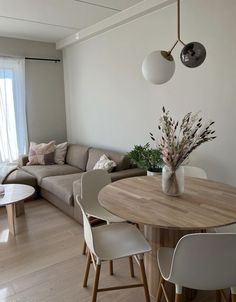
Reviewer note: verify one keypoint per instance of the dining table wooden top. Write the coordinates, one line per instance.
(204, 203)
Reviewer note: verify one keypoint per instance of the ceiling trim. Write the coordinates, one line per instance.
(98, 5)
(141, 9)
(38, 22)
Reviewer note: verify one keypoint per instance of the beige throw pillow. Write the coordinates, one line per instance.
(105, 163)
(60, 153)
(41, 154)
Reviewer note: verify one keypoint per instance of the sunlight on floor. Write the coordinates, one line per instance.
(4, 292)
(4, 235)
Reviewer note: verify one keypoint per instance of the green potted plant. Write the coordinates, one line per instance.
(147, 158)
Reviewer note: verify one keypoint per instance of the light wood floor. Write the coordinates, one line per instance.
(44, 262)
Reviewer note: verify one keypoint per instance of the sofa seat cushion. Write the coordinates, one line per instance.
(21, 177)
(61, 186)
(121, 160)
(50, 170)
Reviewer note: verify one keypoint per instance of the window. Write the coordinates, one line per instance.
(13, 127)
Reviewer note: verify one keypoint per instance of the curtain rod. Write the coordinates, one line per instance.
(42, 59)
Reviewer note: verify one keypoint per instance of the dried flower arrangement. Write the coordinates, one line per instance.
(180, 139)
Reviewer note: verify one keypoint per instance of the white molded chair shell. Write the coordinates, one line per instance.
(194, 172)
(113, 241)
(91, 184)
(201, 261)
(226, 229)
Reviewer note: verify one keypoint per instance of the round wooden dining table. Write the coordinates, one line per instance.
(205, 204)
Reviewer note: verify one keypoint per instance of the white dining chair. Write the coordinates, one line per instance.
(110, 242)
(194, 172)
(199, 261)
(226, 229)
(91, 184)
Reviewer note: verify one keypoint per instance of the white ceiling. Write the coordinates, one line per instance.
(53, 20)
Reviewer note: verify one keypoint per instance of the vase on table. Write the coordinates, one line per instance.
(173, 181)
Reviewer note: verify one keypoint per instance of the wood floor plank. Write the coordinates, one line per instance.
(43, 263)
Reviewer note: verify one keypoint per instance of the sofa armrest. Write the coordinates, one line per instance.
(127, 173)
(23, 160)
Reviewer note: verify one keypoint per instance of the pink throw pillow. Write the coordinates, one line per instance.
(41, 154)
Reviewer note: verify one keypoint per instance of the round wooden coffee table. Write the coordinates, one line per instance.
(14, 196)
(204, 204)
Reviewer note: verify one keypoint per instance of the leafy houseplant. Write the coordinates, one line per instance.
(146, 158)
(177, 142)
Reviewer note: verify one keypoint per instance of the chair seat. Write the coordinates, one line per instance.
(164, 258)
(98, 211)
(118, 240)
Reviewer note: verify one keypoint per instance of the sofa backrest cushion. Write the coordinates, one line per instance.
(77, 156)
(120, 159)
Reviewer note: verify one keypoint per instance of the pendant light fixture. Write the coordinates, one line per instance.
(159, 66)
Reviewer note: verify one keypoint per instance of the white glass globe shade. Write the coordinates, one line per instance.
(158, 67)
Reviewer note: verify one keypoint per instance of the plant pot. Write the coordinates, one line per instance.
(154, 173)
(173, 181)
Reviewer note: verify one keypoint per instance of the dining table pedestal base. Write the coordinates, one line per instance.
(162, 238)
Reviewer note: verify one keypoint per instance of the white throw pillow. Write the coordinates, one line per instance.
(105, 163)
(60, 153)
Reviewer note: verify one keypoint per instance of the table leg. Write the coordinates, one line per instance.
(11, 217)
(20, 209)
(158, 238)
(153, 276)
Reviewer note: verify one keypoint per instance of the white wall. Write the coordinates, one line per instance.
(44, 89)
(109, 104)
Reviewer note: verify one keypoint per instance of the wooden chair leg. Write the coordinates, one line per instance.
(131, 267)
(144, 278)
(218, 296)
(96, 282)
(84, 248)
(111, 267)
(233, 297)
(159, 290)
(178, 297)
(87, 270)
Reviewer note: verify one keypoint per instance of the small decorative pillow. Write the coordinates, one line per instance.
(105, 163)
(41, 154)
(60, 153)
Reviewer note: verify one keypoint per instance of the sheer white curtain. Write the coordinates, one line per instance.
(13, 125)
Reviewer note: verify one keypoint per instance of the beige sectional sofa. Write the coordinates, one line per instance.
(60, 183)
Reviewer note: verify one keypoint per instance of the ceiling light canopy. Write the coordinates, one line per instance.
(159, 66)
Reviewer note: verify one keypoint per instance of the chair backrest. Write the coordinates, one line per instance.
(91, 184)
(88, 233)
(194, 172)
(205, 261)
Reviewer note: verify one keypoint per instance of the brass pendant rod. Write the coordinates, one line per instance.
(170, 51)
(178, 29)
(178, 23)
(178, 20)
